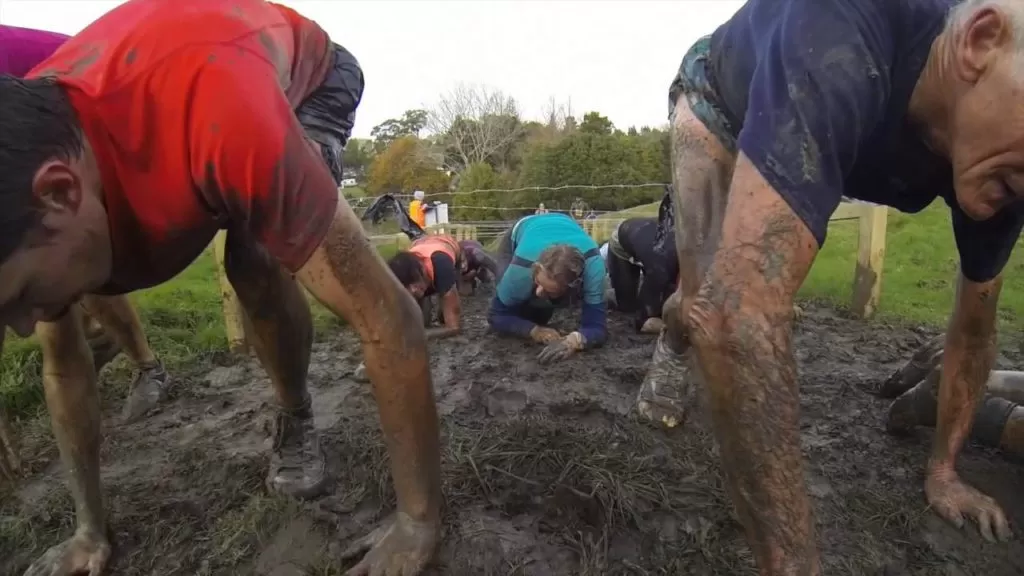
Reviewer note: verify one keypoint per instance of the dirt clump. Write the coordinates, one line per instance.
(546, 469)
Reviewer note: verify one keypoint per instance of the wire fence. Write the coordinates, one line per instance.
(488, 230)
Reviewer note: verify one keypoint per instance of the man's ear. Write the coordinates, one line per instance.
(57, 187)
(988, 31)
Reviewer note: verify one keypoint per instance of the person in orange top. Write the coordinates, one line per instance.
(418, 209)
(125, 152)
(433, 266)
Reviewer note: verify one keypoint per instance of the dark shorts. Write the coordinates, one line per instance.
(695, 81)
(329, 113)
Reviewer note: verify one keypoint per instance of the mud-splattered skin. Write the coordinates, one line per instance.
(348, 276)
(968, 358)
(739, 319)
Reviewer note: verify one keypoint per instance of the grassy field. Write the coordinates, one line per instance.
(184, 323)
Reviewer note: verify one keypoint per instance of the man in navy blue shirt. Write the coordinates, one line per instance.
(783, 110)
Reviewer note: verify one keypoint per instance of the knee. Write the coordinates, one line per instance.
(246, 262)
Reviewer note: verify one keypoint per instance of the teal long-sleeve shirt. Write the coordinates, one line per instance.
(531, 236)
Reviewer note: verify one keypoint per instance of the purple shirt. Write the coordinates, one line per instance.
(21, 49)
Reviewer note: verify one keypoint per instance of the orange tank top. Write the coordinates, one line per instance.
(426, 246)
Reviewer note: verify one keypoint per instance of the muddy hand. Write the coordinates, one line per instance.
(544, 335)
(401, 546)
(561, 349)
(952, 499)
(82, 554)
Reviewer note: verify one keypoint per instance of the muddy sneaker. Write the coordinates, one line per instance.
(298, 465)
(664, 390)
(916, 407)
(149, 388)
(926, 359)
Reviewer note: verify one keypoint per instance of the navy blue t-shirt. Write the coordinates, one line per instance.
(820, 89)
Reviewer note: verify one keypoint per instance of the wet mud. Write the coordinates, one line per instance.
(546, 470)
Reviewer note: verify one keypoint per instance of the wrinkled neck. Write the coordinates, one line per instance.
(931, 103)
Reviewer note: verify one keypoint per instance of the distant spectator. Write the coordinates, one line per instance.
(418, 209)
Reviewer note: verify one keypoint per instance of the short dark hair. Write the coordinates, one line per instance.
(406, 267)
(37, 123)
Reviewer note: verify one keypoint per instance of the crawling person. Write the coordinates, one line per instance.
(544, 261)
(125, 152)
(787, 107)
(998, 418)
(114, 325)
(480, 267)
(432, 267)
(643, 273)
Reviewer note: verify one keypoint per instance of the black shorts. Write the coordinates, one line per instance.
(329, 113)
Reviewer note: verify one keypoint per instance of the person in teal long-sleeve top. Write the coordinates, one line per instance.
(543, 262)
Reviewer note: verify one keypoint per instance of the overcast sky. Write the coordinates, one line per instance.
(616, 57)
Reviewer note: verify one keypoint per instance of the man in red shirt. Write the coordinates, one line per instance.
(113, 324)
(120, 158)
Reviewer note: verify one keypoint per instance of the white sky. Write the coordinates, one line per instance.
(615, 57)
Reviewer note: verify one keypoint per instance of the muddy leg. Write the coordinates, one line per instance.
(282, 327)
(998, 421)
(69, 383)
(701, 172)
(923, 362)
(121, 322)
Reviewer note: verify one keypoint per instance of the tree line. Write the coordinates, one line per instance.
(475, 138)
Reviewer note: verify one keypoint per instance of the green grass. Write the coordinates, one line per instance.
(184, 323)
(919, 274)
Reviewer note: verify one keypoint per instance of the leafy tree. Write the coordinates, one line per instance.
(594, 123)
(406, 166)
(358, 154)
(411, 123)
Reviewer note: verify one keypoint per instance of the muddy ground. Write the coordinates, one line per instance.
(546, 472)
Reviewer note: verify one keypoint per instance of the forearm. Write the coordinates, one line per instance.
(748, 362)
(969, 356)
(350, 279)
(593, 324)
(72, 399)
(504, 320)
(452, 321)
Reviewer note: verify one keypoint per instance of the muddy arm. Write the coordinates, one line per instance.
(594, 314)
(348, 276)
(69, 382)
(741, 326)
(970, 353)
(514, 290)
(452, 308)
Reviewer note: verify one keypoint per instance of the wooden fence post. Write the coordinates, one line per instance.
(867, 280)
(234, 323)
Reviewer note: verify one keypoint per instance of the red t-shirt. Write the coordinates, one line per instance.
(189, 108)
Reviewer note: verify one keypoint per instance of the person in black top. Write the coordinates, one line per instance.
(783, 110)
(642, 275)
